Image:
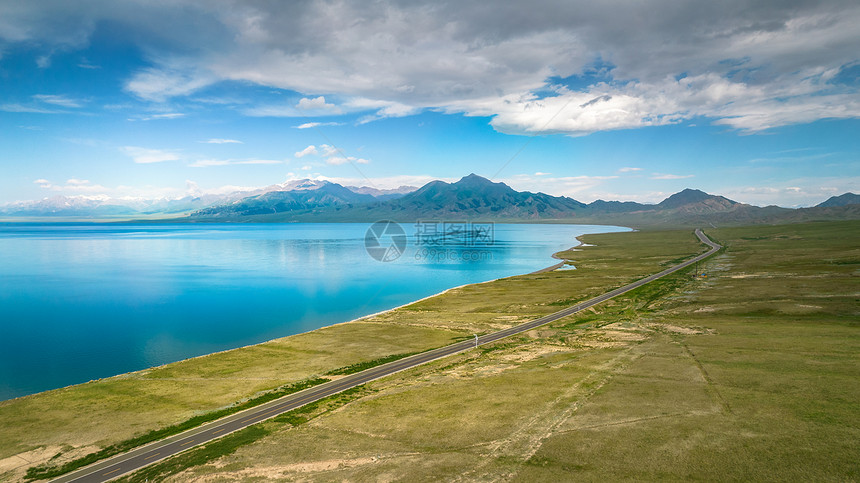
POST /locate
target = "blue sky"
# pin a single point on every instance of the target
(621, 101)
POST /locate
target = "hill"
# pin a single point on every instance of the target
(302, 197)
(841, 200)
(476, 198)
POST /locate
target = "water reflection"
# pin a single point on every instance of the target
(84, 302)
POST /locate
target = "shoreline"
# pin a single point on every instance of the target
(358, 319)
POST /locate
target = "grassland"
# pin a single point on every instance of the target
(58, 426)
(749, 373)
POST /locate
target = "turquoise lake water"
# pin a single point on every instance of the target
(83, 302)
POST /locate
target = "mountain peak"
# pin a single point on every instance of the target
(685, 197)
(693, 200)
(841, 200)
(474, 180)
(302, 185)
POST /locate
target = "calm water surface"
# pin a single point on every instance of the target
(90, 301)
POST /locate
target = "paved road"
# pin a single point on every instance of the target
(136, 459)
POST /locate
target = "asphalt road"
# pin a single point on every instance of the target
(127, 462)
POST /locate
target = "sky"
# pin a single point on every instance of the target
(755, 101)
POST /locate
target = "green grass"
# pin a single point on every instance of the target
(361, 366)
(673, 381)
(48, 471)
(749, 374)
(211, 451)
(46, 428)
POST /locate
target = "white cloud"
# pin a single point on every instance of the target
(801, 192)
(750, 66)
(339, 160)
(309, 125)
(146, 155)
(572, 186)
(336, 160)
(207, 163)
(192, 188)
(43, 61)
(61, 101)
(384, 182)
(306, 104)
(383, 109)
(160, 84)
(86, 64)
(156, 117)
(72, 185)
(629, 169)
(221, 141)
(27, 109)
(307, 151)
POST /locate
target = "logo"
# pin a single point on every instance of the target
(385, 241)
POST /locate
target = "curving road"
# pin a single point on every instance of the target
(127, 462)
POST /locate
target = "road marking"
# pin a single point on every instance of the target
(111, 471)
(218, 431)
(187, 443)
(151, 456)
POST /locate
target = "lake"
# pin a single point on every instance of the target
(82, 302)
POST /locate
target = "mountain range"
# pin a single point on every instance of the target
(470, 198)
(477, 198)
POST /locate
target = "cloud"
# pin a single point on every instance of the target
(383, 109)
(309, 125)
(572, 186)
(72, 185)
(61, 101)
(27, 109)
(330, 154)
(799, 192)
(671, 176)
(207, 163)
(629, 169)
(339, 160)
(86, 64)
(221, 141)
(383, 182)
(160, 84)
(544, 67)
(147, 156)
(156, 117)
(316, 103)
(307, 151)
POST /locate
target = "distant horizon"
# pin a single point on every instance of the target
(253, 191)
(757, 103)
